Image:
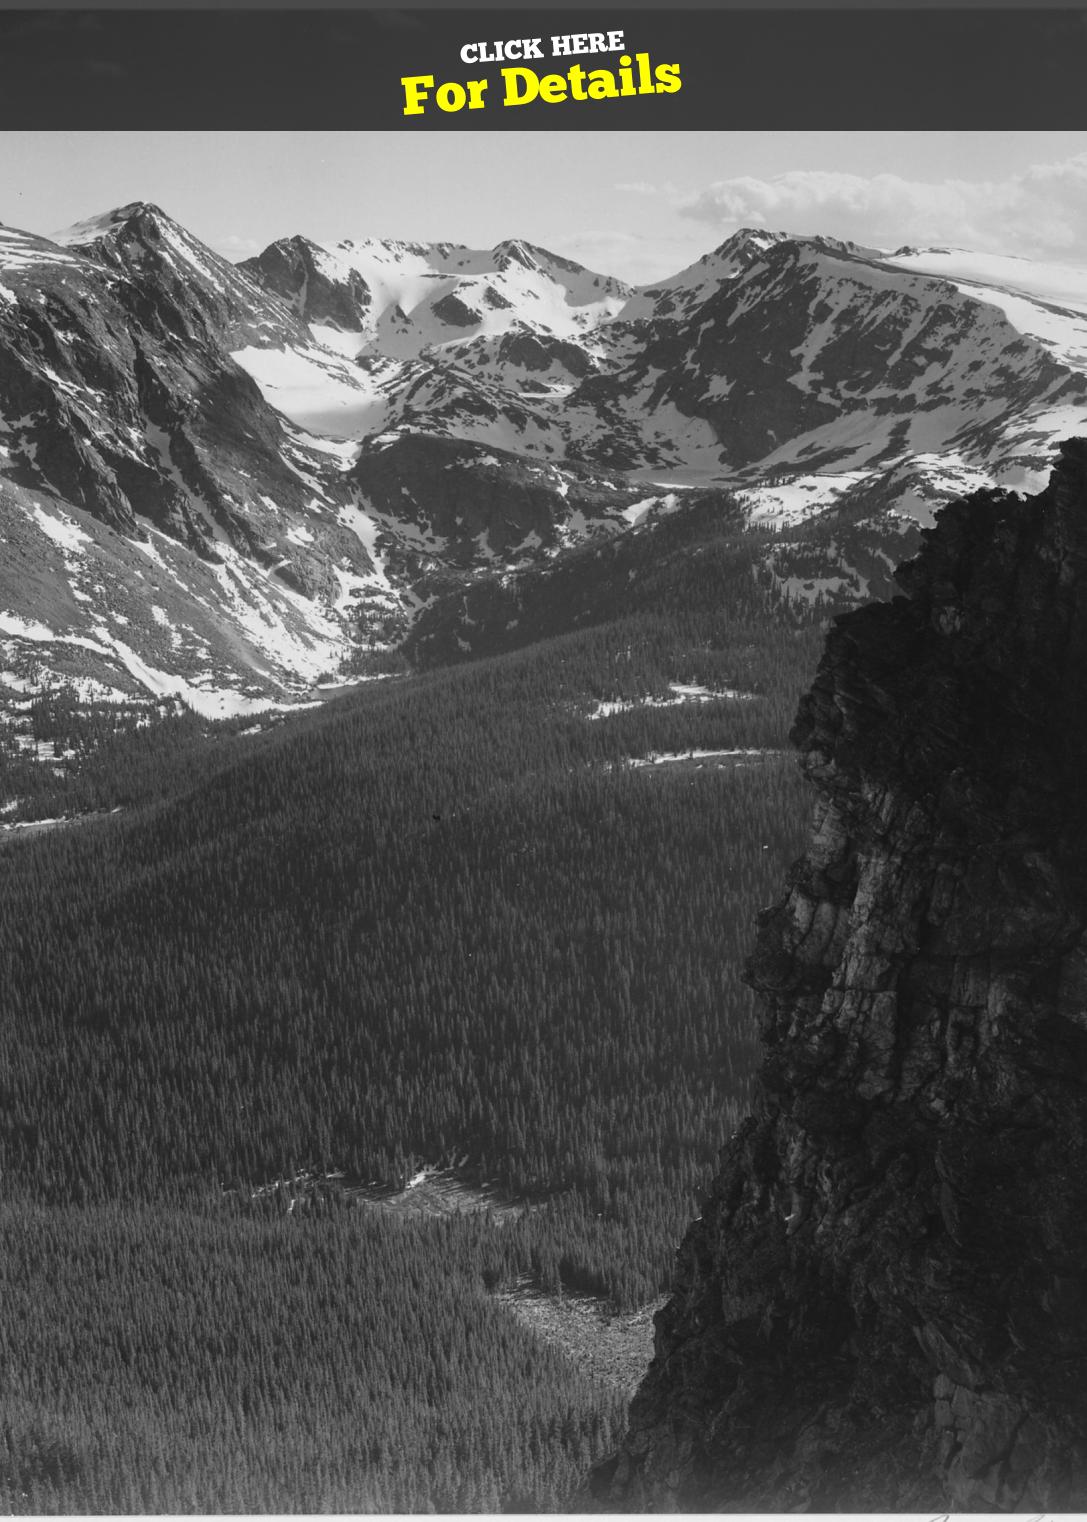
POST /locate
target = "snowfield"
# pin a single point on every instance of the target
(411, 286)
(321, 393)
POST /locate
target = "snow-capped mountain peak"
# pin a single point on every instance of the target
(106, 222)
(405, 299)
(140, 242)
(687, 289)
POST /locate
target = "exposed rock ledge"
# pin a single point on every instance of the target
(884, 1304)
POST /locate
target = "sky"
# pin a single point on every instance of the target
(640, 205)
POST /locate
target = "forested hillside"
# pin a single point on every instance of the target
(490, 918)
(210, 1360)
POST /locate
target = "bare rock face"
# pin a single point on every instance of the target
(884, 1303)
(298, 272)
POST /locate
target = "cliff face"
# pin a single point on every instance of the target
(884, 1303)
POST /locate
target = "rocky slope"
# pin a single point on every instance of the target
(164, 528)
(196, 496)
(883, 1305)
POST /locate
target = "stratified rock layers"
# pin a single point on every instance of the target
(884, 1303)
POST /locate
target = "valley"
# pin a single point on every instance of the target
(433, 924)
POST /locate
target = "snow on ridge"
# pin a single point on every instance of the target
(25, 251)
(190, 252)
(90, 228)
(493, 289)
(1061, 285)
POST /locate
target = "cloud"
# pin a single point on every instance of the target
(1041, 210)
(233, 246)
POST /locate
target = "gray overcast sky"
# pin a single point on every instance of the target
(636, 204)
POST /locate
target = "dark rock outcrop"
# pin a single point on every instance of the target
(296, 270)
(465, 500)
(454, 312)
(884, 1303)
(179, 288)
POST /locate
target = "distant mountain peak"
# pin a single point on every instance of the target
(841, 246)
(748, 238)
(92, 228)
(517, 251)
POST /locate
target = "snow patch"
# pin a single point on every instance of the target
(62, 530)
(21, 628)
(669, 758)
(681, 693)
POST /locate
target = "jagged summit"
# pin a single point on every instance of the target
(144, 244)
(841, 246)
(748, 239)
(883, 1306)
(135, 212)
(407, 298)
(517, 251)
(740, 250)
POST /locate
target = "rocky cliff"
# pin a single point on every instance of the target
(882, 1306)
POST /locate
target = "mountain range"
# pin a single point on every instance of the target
(236, 484)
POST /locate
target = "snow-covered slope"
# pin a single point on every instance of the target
(1059, 285)
(183, 502)
(164, 529)
(478, 344)
(404, 298)
(1046, 301)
